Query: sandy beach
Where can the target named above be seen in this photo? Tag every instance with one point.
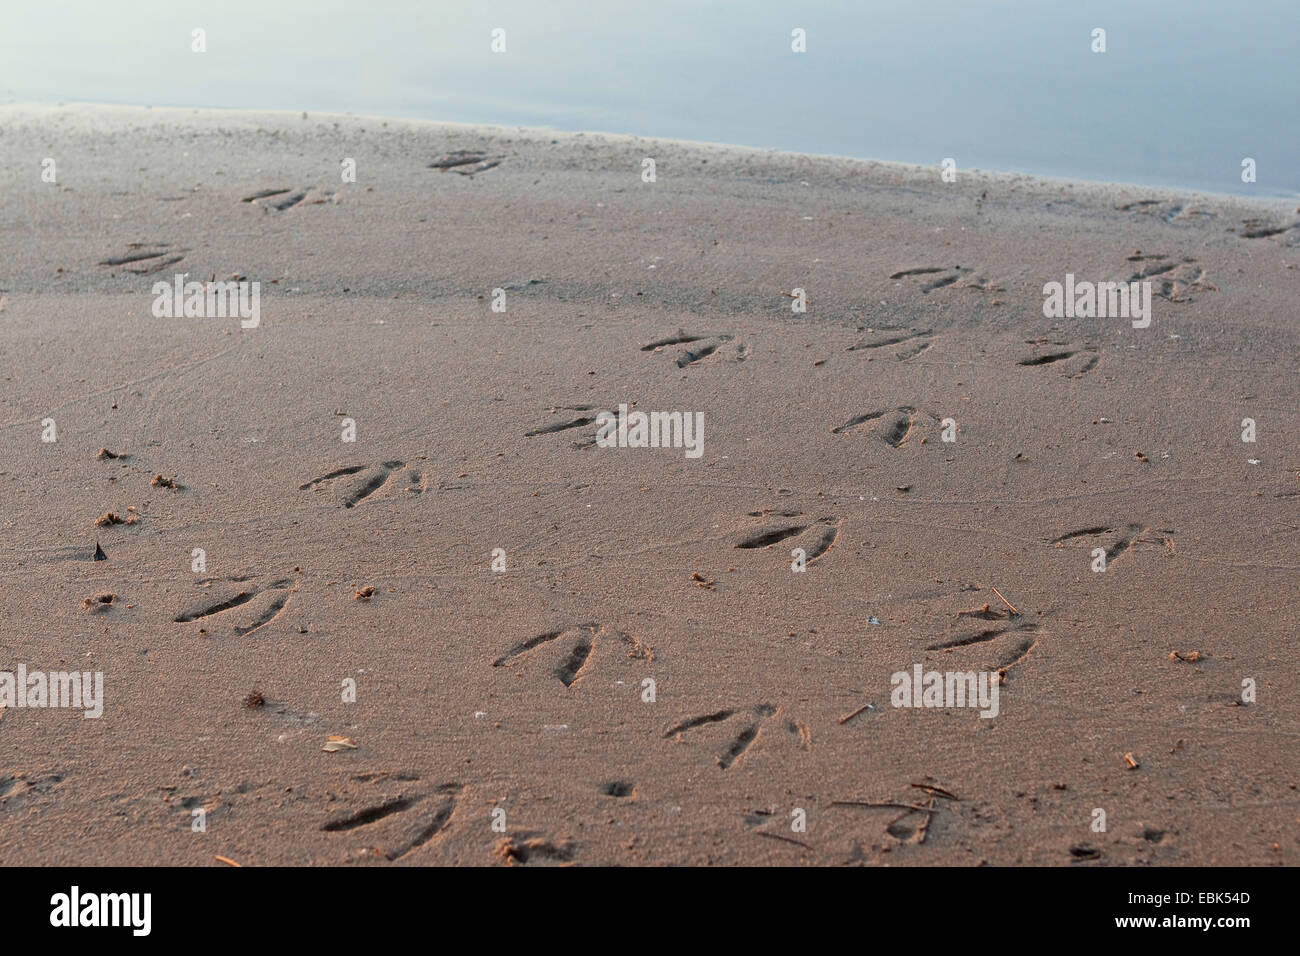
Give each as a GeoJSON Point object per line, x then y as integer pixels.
{"type": "Point", "coordinates": [648, 681]}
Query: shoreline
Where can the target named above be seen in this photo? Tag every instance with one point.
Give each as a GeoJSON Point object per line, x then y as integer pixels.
{"type": "Point", "coordinates": [147, 116]}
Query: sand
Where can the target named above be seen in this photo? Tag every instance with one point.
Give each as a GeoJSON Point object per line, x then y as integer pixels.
{"type": "Point", "coordinates": [480, 691]}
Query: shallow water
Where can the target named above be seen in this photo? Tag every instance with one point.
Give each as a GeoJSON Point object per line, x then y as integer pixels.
{"type": "Point", "coordinates": [1184, 92]}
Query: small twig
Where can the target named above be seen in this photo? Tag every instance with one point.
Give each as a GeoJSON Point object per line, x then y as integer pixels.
{"type": "Point", "coordinates": [228, 861]}
{"type": "Point", "coordinates": [845, 719]}
{"type": "Point", "coordinates": [784, 839]}
{"type": "Point", "coordinates": [1006, 602]}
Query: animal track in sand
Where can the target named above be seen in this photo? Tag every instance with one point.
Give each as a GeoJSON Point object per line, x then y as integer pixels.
{"type": "Point", "coordinates": [1076, 360]}
{"type": "Point", "coordinates": [743, 726]}
{"type": "Point", "coordinates": [896, 424]}
{"type": "Point", "coordinates": [816, 538]}
{"type": "Point", "coordinates": [566, 422]}
{"type": "Point", "coordinates": [698, 347]}
{"type": "Point", "coordinates": [1262, 229]}
{"type": "Point", "coordinates": [264, 604]}
{"type": "Point", "coordinates": [1122, 540]}
{"type": "Point", "coordinates": [947, 276]}
{"type": "Point", "coordinates": [914, 343]}
{"type": "Point", "coordinates": [288, 197]}
{"type": "Point", "coordinates": [571, 649]}
{"type": "Point", "coordinates": [1172, 278]}
{"type": "Point", "coordinates": [473, 162]}
{"type": "Point", "coordinates": [17, 791]}
{"type": "Point", "coordinates": [912, 825]}
{"type": "Point", "coordinates": [950, 275]}
{"type": "Point", "coordinates": [357, 483]}
{"type": "Point", "coordinates": [1010, 645]}
{"type": "Point", "coordinates": [146, 257]}
{"type": "Point", "coordinates": [982, 637]}
{"type": "Point", "coordinates": [1170, 211]}
{"type": "Point", "coordinates": [367, 815]}
{"type": "Point", "coordinates": [459, 158]}
{"type": "Point", "coordinates": [419, 830]}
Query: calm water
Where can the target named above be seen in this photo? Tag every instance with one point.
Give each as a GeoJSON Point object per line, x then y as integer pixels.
{"type": "Point", "coordinates": [1185, 90]}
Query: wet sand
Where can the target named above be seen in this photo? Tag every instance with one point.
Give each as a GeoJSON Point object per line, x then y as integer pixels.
{"type": "Point", "coordinates": [524, 690]}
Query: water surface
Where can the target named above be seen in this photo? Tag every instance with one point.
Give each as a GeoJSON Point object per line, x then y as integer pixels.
{"type": "Point", "coordinates": [1185, 90]}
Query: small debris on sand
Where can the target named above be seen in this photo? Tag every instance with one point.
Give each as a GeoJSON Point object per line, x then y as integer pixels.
{"type": "Point", "coordinates": [99, 553]}
{"type": "Point", "coordinates": [160, 481]}
{"type": "Point", "coordinates": [1014, 612]}
{"type": "Point", "coordinates": [100, 602]}
{"type": "Point", "coordinates": [105, 454]}
{"type": "Point", "coordinates": [107, 519]}
{"type": "Point", "coordinates": [255, 699]}
{"type": "Point", "coordinates": [1190, 658]}
{"type": "Point", "coordinates": [364, 594]}
{"type": "Point", "coordinates": [1132, 763]}
{"type": "Point", "coordinates": [335, 743]}
{"type": "Point", "coordinates": [861, 710]}
{"type": "Point", "coordinates": [702, 582]}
